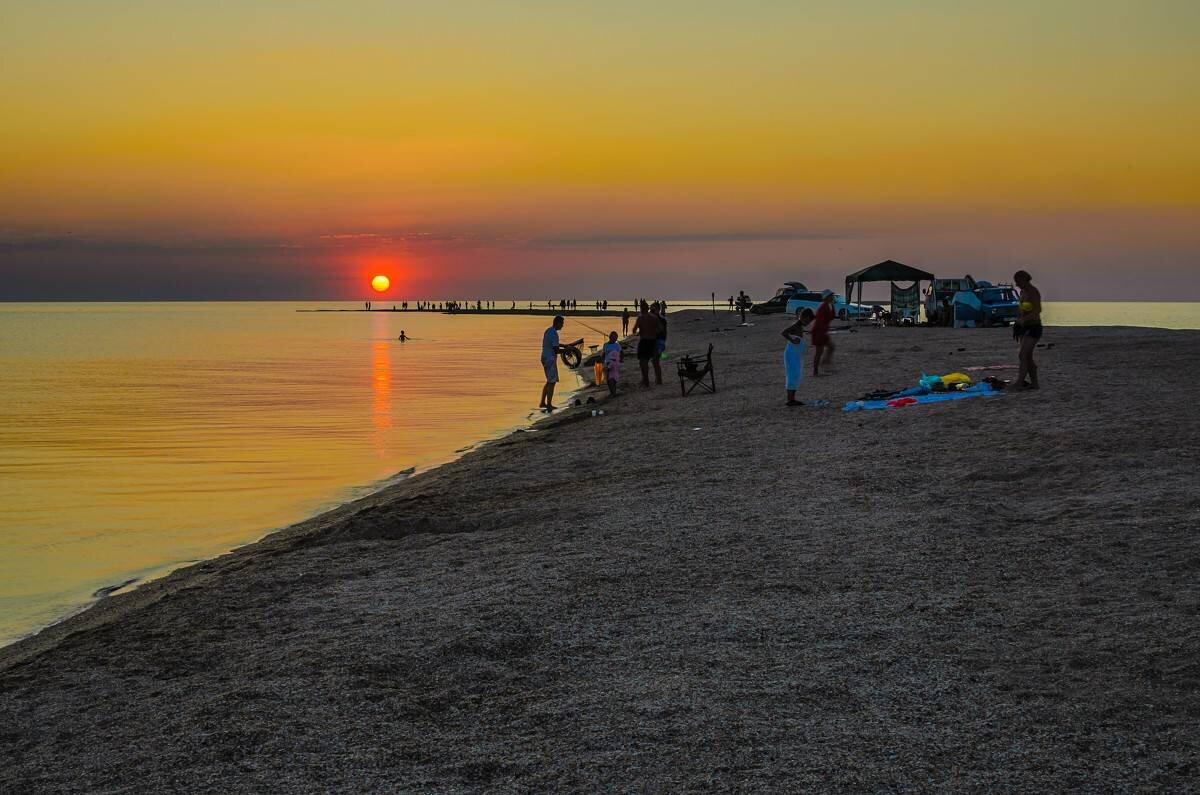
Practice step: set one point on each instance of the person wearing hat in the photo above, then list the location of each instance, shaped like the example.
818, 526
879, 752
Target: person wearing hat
820, 332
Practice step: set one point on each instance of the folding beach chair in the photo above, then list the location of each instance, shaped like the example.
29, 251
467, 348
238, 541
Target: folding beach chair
697, 372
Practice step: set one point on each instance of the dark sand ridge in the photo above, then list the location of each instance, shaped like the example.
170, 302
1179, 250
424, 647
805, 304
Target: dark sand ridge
785, 599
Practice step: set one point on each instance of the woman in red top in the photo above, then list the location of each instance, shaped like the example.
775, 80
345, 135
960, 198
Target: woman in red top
820, 332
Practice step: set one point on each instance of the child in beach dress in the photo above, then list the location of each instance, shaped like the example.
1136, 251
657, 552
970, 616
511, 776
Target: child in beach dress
793, 355
612, 362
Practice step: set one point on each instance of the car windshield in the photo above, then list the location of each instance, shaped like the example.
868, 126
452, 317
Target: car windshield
998, 296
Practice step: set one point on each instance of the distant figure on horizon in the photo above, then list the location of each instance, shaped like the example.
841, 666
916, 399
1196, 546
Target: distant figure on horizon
820, 332
1028, 329
646, 327
625, 322
731, 303
550, 351
793, 354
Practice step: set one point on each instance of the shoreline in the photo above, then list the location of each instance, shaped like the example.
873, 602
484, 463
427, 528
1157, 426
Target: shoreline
354, 494
115, 603
974, 594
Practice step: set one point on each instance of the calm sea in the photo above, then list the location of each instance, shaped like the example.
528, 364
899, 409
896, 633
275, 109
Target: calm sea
138, 437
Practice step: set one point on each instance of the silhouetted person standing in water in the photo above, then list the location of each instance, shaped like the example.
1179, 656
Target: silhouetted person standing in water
647, 328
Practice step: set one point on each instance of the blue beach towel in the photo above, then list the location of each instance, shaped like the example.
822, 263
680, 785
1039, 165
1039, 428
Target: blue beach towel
979, 390
793, 364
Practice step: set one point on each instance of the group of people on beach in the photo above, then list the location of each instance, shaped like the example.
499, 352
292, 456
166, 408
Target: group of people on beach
1027, 330
651, 330
650, 327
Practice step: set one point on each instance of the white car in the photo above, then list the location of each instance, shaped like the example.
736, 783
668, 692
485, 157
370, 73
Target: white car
811, 300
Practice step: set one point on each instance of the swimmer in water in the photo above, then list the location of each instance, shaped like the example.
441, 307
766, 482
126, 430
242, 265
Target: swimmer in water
403, 338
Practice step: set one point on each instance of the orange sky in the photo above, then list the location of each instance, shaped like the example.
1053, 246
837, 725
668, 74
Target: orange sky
539, 148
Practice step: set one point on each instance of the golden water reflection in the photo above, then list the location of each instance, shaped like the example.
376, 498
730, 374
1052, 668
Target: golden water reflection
135, 437
381, 384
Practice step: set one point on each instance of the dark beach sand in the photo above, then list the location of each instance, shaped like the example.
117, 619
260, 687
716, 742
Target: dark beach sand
985, 594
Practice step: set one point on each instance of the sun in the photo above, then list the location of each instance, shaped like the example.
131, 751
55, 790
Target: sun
380, 283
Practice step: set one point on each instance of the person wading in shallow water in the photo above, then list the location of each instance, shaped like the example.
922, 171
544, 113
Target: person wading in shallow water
1028, 329
550, 351
646, 327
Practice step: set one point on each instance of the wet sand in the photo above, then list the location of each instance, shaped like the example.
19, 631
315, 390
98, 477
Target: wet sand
992, 593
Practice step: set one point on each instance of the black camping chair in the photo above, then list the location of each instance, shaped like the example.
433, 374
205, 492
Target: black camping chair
698, 372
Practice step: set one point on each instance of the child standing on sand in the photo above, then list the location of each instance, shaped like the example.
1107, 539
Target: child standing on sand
793, 354
612, 362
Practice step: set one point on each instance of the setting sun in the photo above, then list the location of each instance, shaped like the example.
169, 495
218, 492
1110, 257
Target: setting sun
380, 283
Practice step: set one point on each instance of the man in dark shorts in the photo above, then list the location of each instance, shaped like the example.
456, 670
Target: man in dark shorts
550, 351
1027, 330
647, 328
659, 310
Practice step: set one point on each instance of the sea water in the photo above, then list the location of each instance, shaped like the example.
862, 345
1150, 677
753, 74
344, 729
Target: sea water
137, 437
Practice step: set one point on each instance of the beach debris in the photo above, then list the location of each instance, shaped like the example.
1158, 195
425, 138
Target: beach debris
696, 429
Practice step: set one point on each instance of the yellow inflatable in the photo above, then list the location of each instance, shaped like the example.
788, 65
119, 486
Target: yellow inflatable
956, 378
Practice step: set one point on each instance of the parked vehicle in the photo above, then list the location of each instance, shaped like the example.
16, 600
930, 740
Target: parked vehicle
940, 294
986, 305
812, 299
778, 302
1000, 303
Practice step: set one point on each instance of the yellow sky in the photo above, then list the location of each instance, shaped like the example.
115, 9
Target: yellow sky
529, 118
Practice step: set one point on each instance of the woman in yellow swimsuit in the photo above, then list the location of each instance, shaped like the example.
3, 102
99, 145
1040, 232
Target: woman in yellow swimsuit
1028, 329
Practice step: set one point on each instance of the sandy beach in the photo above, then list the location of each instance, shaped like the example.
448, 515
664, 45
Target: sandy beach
710, 593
